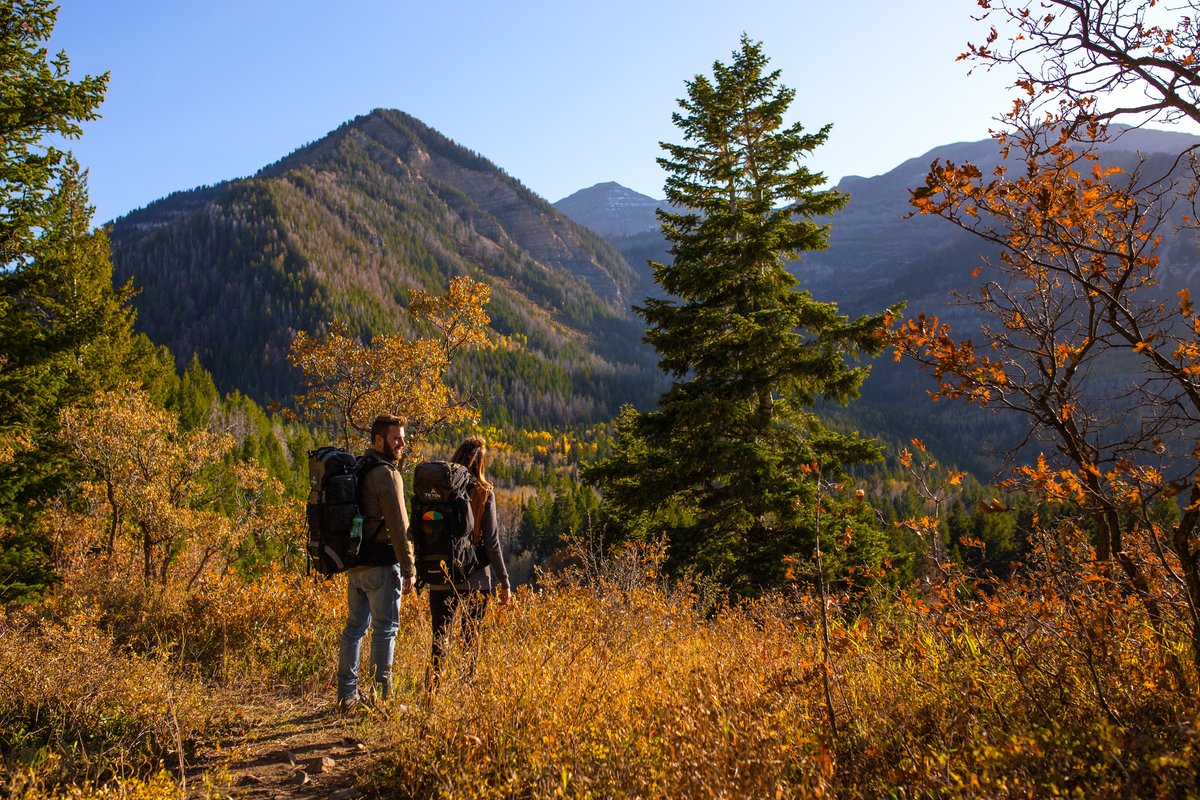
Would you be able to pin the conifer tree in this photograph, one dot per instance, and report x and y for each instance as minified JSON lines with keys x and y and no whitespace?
{"x":725,"y":464}
{"x":38,"y":101}
{"x":65,"y":332}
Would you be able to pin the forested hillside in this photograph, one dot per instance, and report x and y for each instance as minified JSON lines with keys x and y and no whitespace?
{"x":344,"y":227}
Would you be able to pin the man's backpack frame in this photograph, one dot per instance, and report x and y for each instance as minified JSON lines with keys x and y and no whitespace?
{"x":334,"y":510}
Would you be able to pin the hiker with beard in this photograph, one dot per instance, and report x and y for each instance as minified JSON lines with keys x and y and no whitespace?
{"x":386,"y":568}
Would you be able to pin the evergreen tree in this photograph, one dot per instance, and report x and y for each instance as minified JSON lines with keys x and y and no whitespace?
{"x":36,"y":322}
{"x":37,"y":101}
{"x":65,"y":332}
{"x":724,"y":463}
{"x":198,"y":398}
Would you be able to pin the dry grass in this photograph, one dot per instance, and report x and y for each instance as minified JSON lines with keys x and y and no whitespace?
{"x":613,"y":684}
{"x":274,"y":629}
{"x":160,"y":786}
{"x":600,"y":689}
{"x":74,"y":705}
{"x":609,"y":694}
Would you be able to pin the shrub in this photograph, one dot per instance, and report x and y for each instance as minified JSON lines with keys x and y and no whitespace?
{"x":74,"y":705}
{"x":1048,"y":684}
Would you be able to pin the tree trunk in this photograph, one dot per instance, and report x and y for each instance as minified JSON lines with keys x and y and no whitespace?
{"x":115,"y":523}
{"x":147,"y":557}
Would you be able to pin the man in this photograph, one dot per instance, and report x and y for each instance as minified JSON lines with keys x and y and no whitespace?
{"x":385,"y":574}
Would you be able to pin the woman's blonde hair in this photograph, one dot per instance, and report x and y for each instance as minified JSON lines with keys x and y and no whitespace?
{"x":472,"y":454}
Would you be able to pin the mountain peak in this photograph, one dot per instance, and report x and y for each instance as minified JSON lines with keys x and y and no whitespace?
{"x":343,"y":227}
{"x":609,"y":188}
{"x":611,"y":209}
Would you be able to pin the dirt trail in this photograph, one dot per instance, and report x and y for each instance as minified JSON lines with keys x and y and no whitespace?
{"x":288,"y":748}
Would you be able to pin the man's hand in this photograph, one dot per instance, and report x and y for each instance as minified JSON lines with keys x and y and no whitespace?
{"x":407,"y":586}
{"x":505,"y":595}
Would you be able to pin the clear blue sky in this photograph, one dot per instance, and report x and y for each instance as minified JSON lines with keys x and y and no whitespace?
{"x":561,"y":95}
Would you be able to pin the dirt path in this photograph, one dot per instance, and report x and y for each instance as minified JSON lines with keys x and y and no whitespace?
{"x":288,"y":748}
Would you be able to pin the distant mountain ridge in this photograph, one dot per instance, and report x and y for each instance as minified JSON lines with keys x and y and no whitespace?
{"x":879,"y":255}
{"x":344,"y":226}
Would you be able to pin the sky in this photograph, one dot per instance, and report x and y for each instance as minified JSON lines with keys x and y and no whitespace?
{"x":560,"y":95}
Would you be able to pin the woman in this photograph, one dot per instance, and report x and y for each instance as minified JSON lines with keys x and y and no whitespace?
{"x":472,"y":595}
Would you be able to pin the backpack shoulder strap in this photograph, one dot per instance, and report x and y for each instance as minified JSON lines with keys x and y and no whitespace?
{"x":368,"y":462}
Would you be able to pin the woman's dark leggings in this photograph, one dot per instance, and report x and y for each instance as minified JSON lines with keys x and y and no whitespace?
{"x":443,"y":605}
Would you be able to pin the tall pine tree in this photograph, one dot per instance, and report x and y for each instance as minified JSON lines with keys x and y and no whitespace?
{"x":65,"y":332}
{"x":723,"y":465}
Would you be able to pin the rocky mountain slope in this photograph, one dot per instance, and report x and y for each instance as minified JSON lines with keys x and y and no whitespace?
{"x":879,"y":255}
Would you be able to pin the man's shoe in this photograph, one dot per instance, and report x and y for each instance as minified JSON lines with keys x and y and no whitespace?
{"x":348,"y":704}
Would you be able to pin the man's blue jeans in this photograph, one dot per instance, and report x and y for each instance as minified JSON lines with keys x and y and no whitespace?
{"x":373,"y":598}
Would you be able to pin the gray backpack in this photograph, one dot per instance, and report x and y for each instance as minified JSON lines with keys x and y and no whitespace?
{"x":442,"y":522}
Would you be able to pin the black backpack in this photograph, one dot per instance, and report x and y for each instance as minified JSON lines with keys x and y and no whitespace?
{"x":335,"y":519}
{"x":441,"y":523}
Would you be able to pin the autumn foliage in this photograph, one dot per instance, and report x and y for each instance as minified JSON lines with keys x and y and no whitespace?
{"x":616,"y":683}
{"x":348,"y":382}
{"x":1103,"y":372}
